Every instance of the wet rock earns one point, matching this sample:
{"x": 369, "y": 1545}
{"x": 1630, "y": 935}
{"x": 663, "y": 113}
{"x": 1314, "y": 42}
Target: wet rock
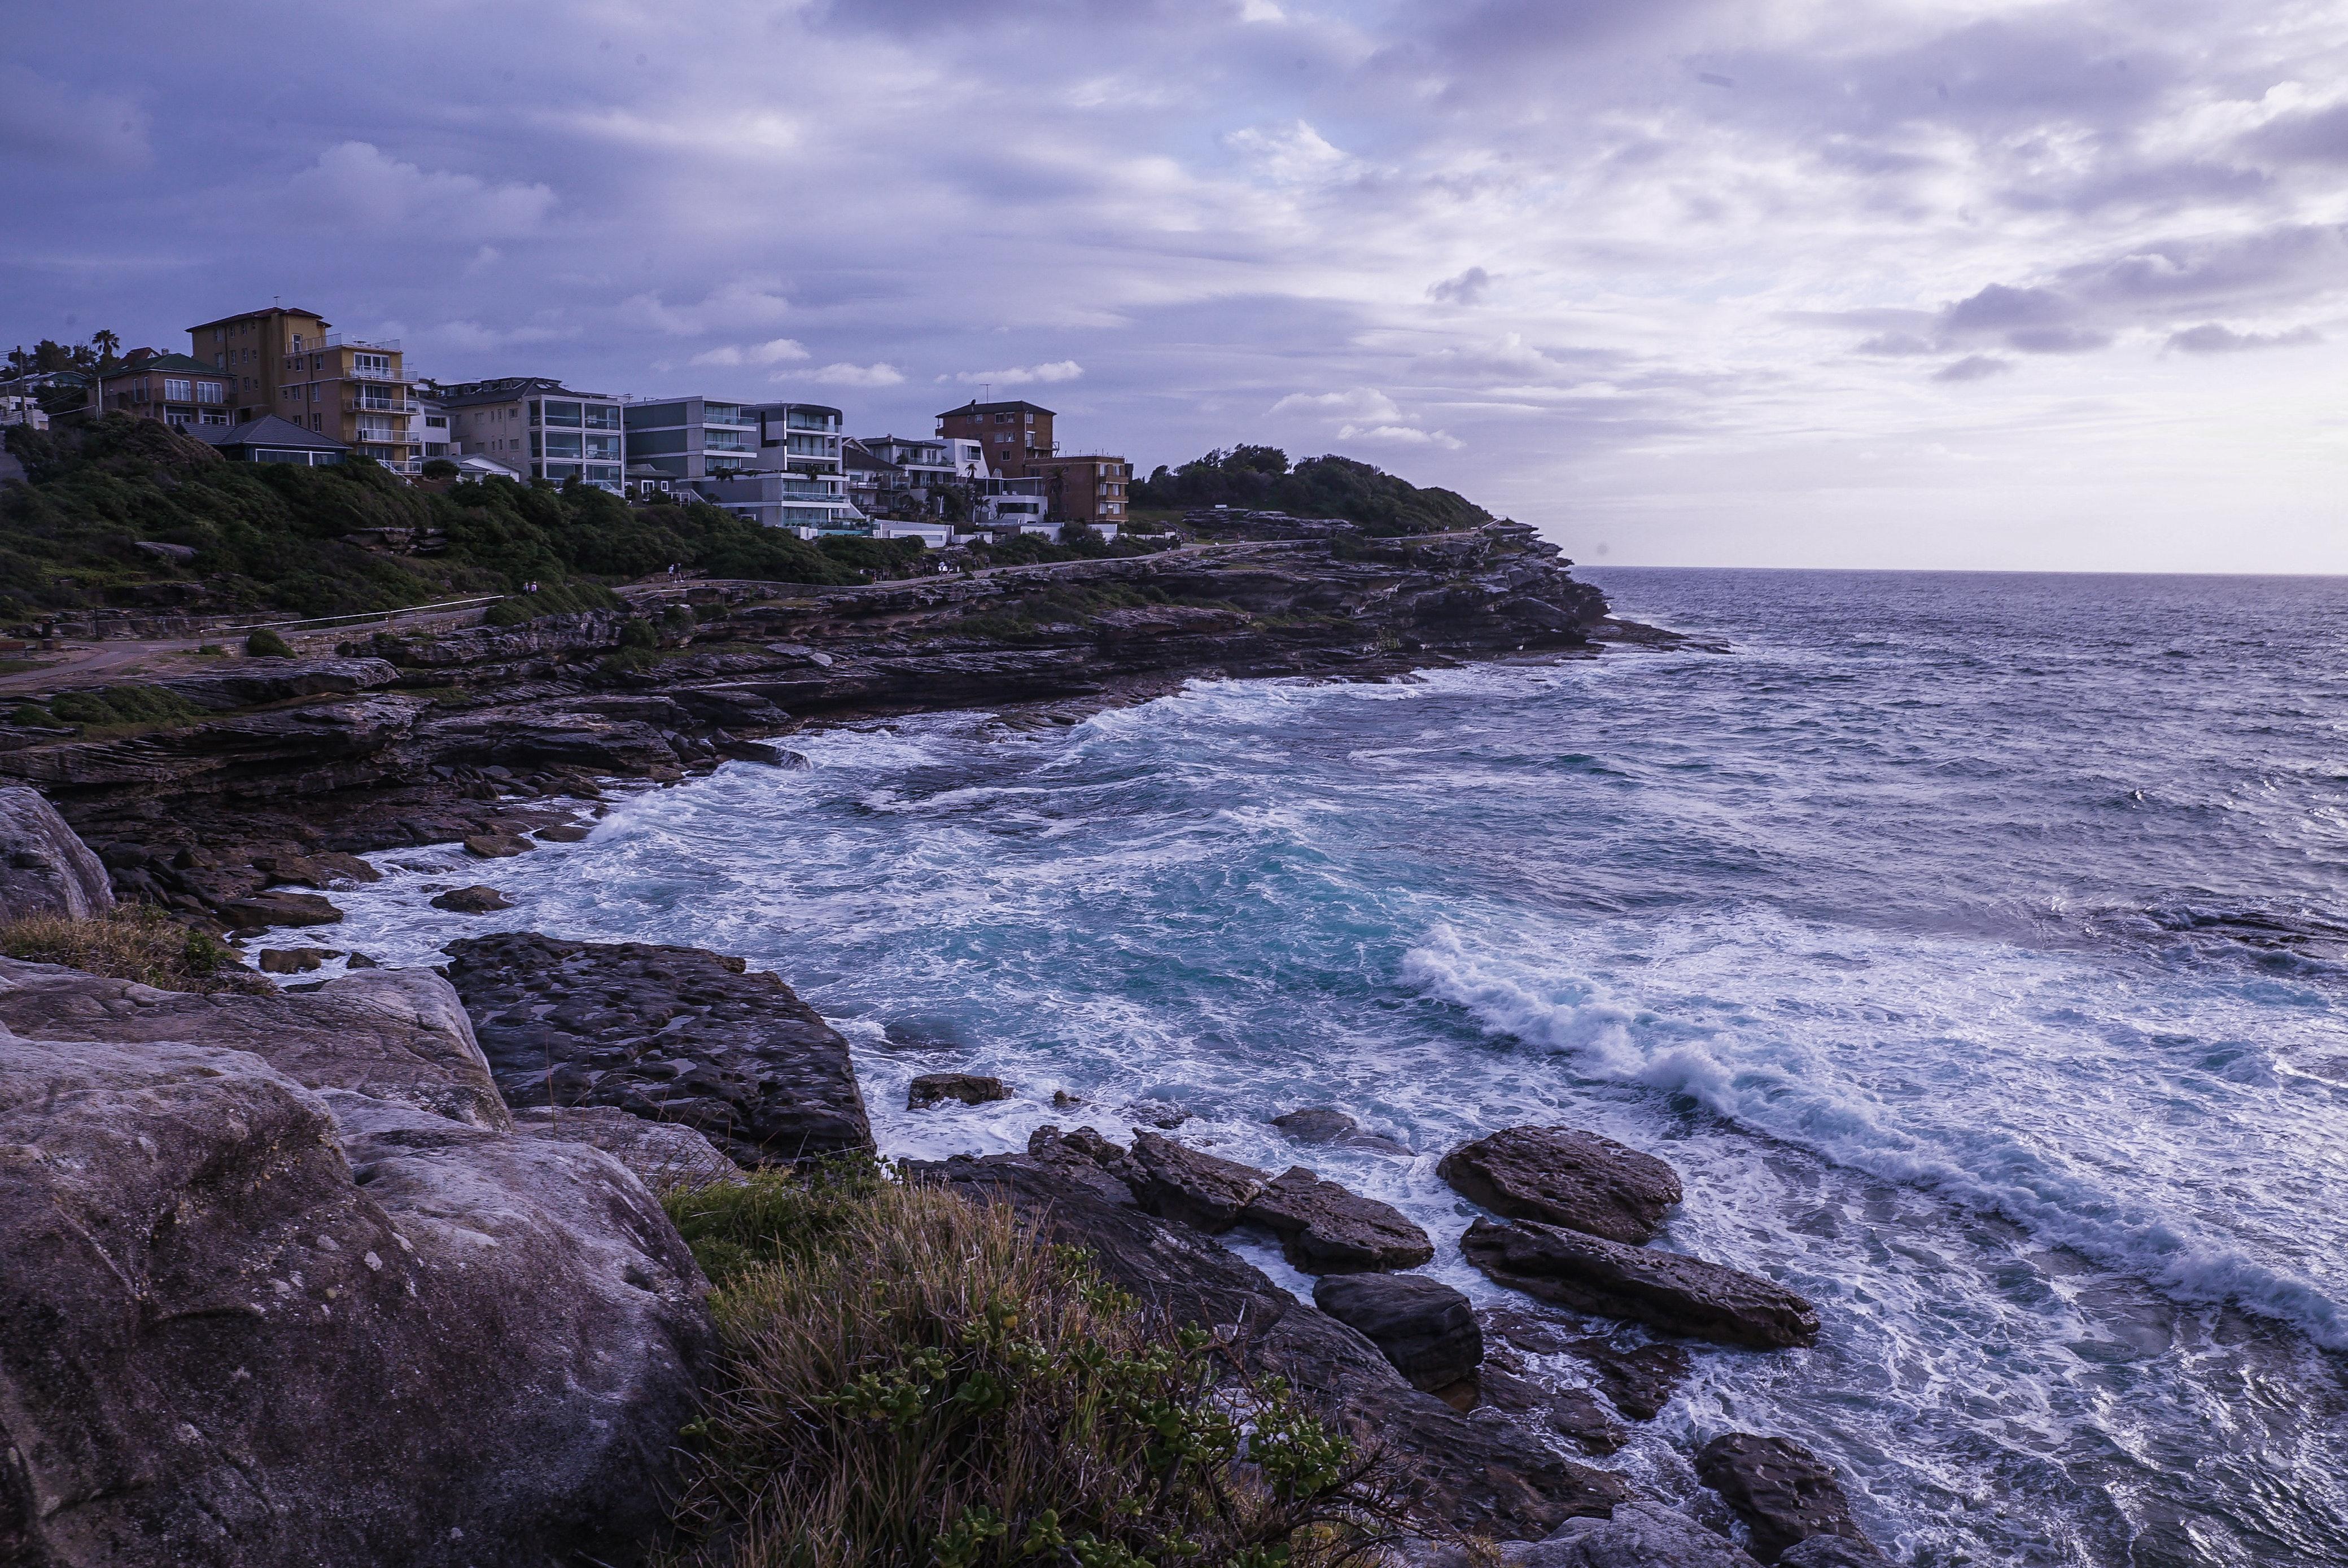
{"x": 474, "y": 900}
{"x": 1087, "y": 1159}
{"x": 1484, "y": 1478}
{"x": 671, "y": 1034}
{"x": 1198, "y": 1189}
{"x": 1561, "y": 1176}
{"x": 1326, "y": 1124}
{"x": 322, "y": 1327}
{"x": 1161, "y": 1114}
{"x": 1325, "y": 1228}
{"x": 1666, "y": 1290}
{"x": 361, "y": 961}
{"x": 661, "y": 1155}
{"x": 1425, "y": 1328}
{"x": 1784, "y": 1492}
{"x": 1639, "y": 1535}
{"x": 44, "y": 867}
{"x": 1640, "y": 1380}
{"x": 562, "y": 832}
{"x": 257, "y": 911}
{"x": 295, "y": 960}
{"x": 1575, "y": 1414}
{"x": 1831, "y": 1551}
{"x": 496, "y": 846}
{"x": 969, "y": 1087}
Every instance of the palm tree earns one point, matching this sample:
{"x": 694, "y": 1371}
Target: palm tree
{"x": 106, "y": 342}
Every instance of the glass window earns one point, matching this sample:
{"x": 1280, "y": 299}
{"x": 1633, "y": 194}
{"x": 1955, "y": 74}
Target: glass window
{"x": 560, "y": 445}
{"x": 604, "y": 447}
{"x": 603, "y": 416}
{"x": 602, "y": 473}
{"x": 654, "y": 443}
{"x": 566, "y": 413}
{"x": 178, "y": 391}
{"x": 562, "y": 470}
{"x": 652, "y": 415}
{"x": 209, "y": 392}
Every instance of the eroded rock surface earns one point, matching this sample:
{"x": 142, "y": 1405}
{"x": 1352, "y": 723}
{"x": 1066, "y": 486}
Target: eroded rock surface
{"x": 671, "y": 1034}
{"x": 1325, "y": 1228}
{"x": 1201, "y": 1190}
{"x": 661, "y": 1154}
{"x": 1562, "y": 1176}
{"x": 44, "y": 867}
{"x": 962, "y": 1088}
{"x": 1785, "y": 1493}
{"x": 1640, "y": 1536}
{"x": 1424, "y": 1327}
{"x": 1666, "y": 1290}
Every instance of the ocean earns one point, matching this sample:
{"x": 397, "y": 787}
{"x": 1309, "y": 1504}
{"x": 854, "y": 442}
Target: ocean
{"x": 1975, "y": 946}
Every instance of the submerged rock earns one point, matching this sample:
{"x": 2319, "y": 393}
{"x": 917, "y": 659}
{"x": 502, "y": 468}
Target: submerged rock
{"x": 1478, "y": 1476}
{"x": 44, "y": 867}
{"x": 1327, "y": 1229}
{"x": 1327, "y": 1124}
{"x": 1575, "y": 1414}
{"x": 1561, "y": 1176}
{"x": 1785, "y": 1494}
{"x": 1639, "y": 1535}
{"x": 1666, "y": 1290}
{"x": 671, "y": 1034}
{"x": 1423, "y": 1326}
{"x": 496, "y": 846}
{"x": 1640, "y": 1380}
{"x": 474, "y": 900}
{"x": 969, "y": 1087}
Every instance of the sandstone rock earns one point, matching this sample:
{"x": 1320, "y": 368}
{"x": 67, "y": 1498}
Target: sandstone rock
{"x": 661, "y": 1155}
{"x": 248, "y": 685}
{"x": 294, "y": 961}
{"x": 1575, "y": 1414}
{"x": 1326, "y": 1124}
{"x": 474, "y": 900}
{"x": 1564, "y": 1177}
{"x": 1325, "y": 1229}
{"x": 562, "y": 833}
{"x": 1640, "y": 1536}
{"x": 255, "y": 911}
{"x": 969, "y": 1087}
{"x": 398, "y": 1035}
{"x": 1486, "y": 1479}
{"x": 1641, "y": 1381}
{"x": 1422, "y": 1325}
{"x": 1089, "y": 1160}
{"x": 496, "y": 846}
{"x": 1198, "y": 1189}
{"x": 361, "y": 961}
{"x": 245, "y": 1324}
{"x": 671, "y": 1034}
{"x": 1666, "y": 1290}
{"x": 520, "y": 737}
{"x": 1784, "y": 1492}
{"x": 44, "y": 867}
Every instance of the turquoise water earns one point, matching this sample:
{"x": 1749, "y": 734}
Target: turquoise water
{"x": 1974, "y": 945}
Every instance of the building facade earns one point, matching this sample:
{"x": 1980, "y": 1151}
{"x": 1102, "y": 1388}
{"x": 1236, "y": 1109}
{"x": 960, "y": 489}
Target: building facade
{"x": 802, "y": 438}
{"x": 693, "y": 438}
{"x": 290, "y": 365}
{"x": 541, "y": 429}
{"x": 777, "y": 498}
{"x": 181, "y": 391}
{"x": 1084, "y": 489}
{"x": 270, "y": 439}
{"x": 1010, "y": 434}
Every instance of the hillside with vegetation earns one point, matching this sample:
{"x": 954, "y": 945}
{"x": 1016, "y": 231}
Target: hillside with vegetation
{"x": 333, "y": 540}
{"x": 1261, "y": 478}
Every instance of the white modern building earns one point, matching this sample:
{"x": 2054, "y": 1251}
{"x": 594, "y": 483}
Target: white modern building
{"x": 536, "y": 427}
{"x": 694, "y": 438}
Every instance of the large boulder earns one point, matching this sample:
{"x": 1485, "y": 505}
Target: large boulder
{"x": 246, "y": 1323}
{"x": 1203, "y": 1190}
{"x": 1666, "y": 1290}
{"x": 1424, "y": 1327}
{"x": 661, "y": 1155}
{"x": 671, "y": 1034}
{"x": 1783, "y": 1492}
{"x": 1640, "y": 1536}
{"x": 245, "y": 685}
{"x": 1325, "y": 1228}
{"x": 44, "y": 867}
{"x": 1481, "y": 1477}
{"x": 1562, "y": 1176}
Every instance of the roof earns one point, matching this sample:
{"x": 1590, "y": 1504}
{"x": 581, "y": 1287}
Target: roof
{"x": 510, "y": 389}
{"x": 975, "y": 407}
{"x": 178, "y": 363}
{"x": 267, "y": 431}
{"x": 647, "y": 471}
{"x": 855, "y": 455}
{"x": 256, "y": 315}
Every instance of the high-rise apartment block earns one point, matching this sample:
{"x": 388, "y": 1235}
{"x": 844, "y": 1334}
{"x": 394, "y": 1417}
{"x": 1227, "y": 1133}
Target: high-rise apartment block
{"x": 289, "y": 364}
{"x": 539, "y": 428}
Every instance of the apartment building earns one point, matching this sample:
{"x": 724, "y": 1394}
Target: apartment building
{"x": 693, "y": 437}
{"x": 291, "y": 364}
{"x": 181, "y": 391}
{"x": 1089, "y": 489}
{"x": 800, "y": 438}
{"x": 539, "y": 428}
{"x": 1010, "y": 434}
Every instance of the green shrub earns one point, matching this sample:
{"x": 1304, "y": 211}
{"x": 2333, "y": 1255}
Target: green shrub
{"x": 913, "y": 1379}
{"x": 266, "y": 644}
{"x": 132, "y": 942}
{"x": 639, "y": 634}
{"x": 439, "y": 468}
{"x": 627, "y": 661}
{"x": 34, "y": 716}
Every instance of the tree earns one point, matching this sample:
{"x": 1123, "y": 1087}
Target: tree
{"x": 107, "y": 342}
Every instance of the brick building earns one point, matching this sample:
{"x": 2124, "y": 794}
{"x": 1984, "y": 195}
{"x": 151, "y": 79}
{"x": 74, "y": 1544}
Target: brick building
{"x": 1011, "y": 433}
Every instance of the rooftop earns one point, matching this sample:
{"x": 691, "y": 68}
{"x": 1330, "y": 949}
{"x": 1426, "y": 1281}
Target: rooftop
{"x": 259, "y": 316}
{"x": 975, "y": 407}
{"x": 509, "y": 388}
{"x": 267, "y": 431}
{"x": 178, "y": 363}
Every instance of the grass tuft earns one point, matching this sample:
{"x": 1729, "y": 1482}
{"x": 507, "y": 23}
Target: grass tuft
{"x": 132, "y": 942}
{"x": 914, "y": 1378}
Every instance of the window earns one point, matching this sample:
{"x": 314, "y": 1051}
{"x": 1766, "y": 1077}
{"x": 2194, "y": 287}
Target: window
{"x": 210, "y": 392}
{"x": 220, "y": 361}
{"x": 317, "y": 391}
{"x": 562, "y": 470}
{"x": 561, "y": 444}
{"x": 317, "y": 422}
{"x": 603, "y": 446}
{"x": 724, "y": 414}
{"x": 1003, "y": 419}
{"x": 602, "y": 473}
{"x": 218, "y": 334}
{"x": 178, "y": 391}
{"x": 215, "y": 416}
{"x": 374, "y": 366}
{"x": 564, "y": 414}
{"x": 603, "y": 416}
{"x": 651, "y": 416}
{"x": 657, "y": 443}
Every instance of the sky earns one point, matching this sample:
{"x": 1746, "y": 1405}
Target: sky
{"x": 1973, "y": 284}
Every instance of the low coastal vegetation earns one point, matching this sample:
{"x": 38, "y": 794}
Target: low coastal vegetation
{"x": 132, "y": 942}
{"x": 1259, "y": 477}
{"x": 910, "y": 1378}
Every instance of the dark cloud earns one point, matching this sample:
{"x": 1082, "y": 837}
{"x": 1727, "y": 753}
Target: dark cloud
{"x": 1890, "y": 345}
{"x": 1465, "y": 289}
{"x": 1973, "y": 367}
{"x": 2211, "y": 338}
{"x": 2319, "y": 136}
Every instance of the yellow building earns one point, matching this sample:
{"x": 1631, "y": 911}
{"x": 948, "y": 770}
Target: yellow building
{"x": 293, "y": 364}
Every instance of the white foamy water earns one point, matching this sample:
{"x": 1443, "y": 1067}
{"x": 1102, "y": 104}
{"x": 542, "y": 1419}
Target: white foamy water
{"x": 1980, "y": 973}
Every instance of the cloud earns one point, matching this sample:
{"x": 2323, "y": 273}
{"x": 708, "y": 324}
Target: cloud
{"x": 1360, "y": 403}
{"x": 1020, "y": 376}
{"x": 876, "y": 374}
{"x": 743, "y": 302}
{"x": 2211, "y": 338}
{"x": 1467, "y": 289}
{"x": 1290, "y": 154}
{"x": 358, "y": 188}
{"x": 1400, "y": 435}
{"x": 49, "y": 124}
{"x": 776, "y": 351}
{"x": 1891, "y": 344}
{"x": 1973, "y": 367}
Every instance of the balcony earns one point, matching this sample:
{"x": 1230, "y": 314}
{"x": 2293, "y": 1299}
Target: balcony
{"x": 358, "y": 373}
{"x": 373, "y": 345}
{"x": 377, "y": 405}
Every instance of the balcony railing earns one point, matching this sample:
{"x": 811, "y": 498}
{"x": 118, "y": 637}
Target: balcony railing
{"x": 345, "y": 340}
{"x": 373, "y": 406}
{"x": 362, "y": 374}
